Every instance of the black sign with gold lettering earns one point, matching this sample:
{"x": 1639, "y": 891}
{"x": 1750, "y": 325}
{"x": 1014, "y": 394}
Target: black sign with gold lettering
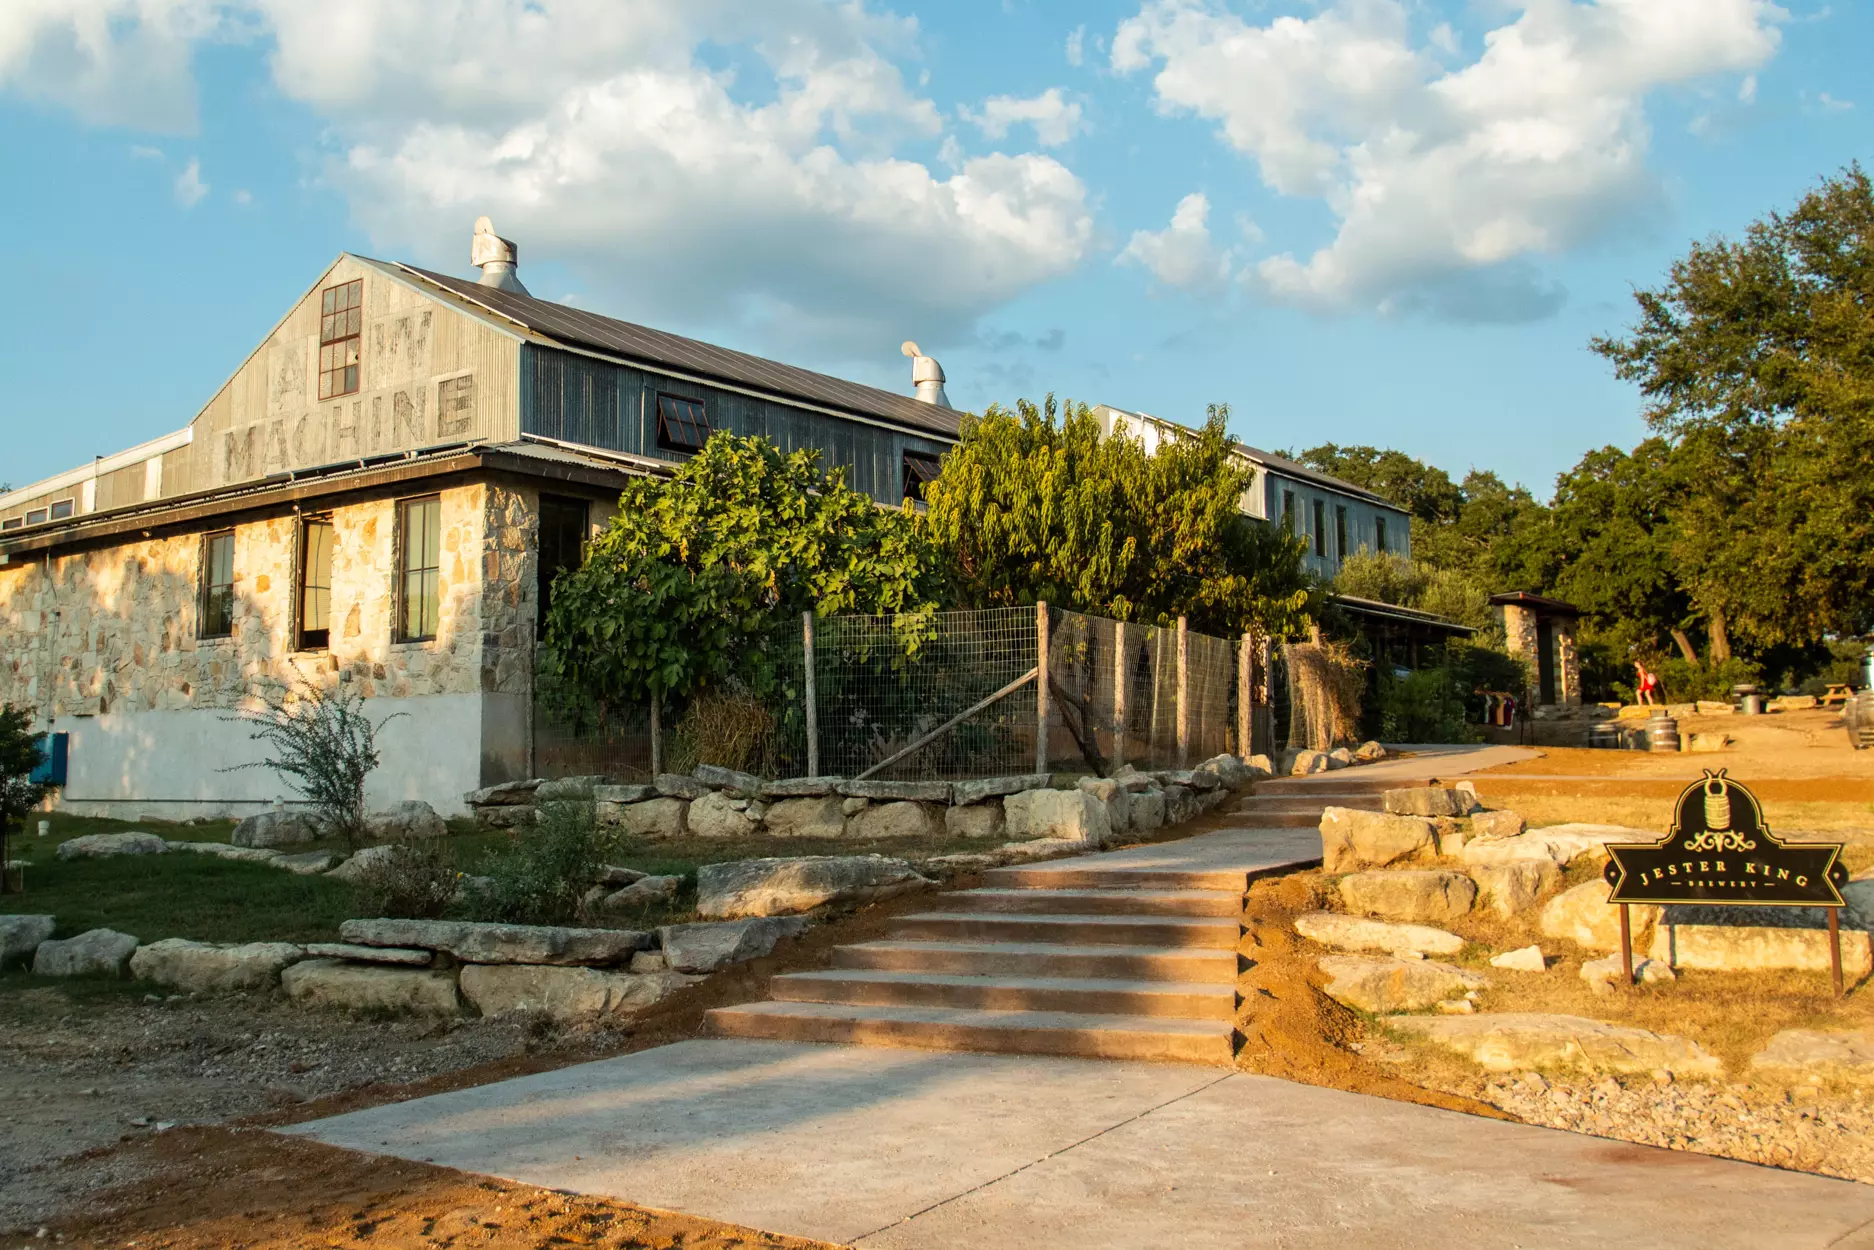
{"x": 1721, "y": 851}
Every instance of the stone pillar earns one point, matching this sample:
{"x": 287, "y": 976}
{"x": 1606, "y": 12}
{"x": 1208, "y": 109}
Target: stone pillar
{"x": 1567, "y": 662}
{"x": 1519, "y": 632}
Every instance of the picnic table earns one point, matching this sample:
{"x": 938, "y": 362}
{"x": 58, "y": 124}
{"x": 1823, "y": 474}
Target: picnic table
{"x": 1838, "y": 695}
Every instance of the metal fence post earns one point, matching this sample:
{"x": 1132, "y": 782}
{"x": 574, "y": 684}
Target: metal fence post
{"x": 1041, "y": 688}
{"x": 1245, "y": 701}
{"x": 1184, "y": 694}
{"x": 1119, "y": 694}
{"x": 657, "y": 733}
{"x": 813, "y": 702}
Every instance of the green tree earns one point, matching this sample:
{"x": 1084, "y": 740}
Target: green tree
{"x": 676, "y": 596}
{"x": 19, "y": 756}
{"x": 1420, "y": 489}
{"x": 1034, "y": 505}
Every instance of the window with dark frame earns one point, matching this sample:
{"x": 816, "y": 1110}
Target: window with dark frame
{"x": 1288, "y": 510}
{"x": 218, "y": 585}
{"x": 61, "y": 509}
{"x": 1340, "y": 533}
{"x": 419, "y": 583}
{"x": 36, "y": 517}
{"x": 315, "y": 584}
{"x": 682, "y": 424}
{"x": 1379, "y": 527}
{"x": 920, "y": 470}
{"x": 563, "y": 525}
{"x": 340, "y": 326}
{"x": 1320, "y": 528}
{"x": 12, "y": 523}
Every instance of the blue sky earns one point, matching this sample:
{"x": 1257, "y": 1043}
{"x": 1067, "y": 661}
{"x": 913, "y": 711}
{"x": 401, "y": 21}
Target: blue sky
{"x": 1383, "y": 221}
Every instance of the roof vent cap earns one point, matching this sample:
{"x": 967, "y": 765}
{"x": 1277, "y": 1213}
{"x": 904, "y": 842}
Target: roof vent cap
{"x": 496, "y": 257}
{"x": 927, "y": 375}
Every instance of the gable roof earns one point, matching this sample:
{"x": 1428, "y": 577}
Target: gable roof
{"x": 1314, "y": 477}
{"x": 559, "y": 325}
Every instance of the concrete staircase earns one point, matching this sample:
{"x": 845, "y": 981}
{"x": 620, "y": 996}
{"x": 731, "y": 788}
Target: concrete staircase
{"x": 1069, "y": 959}
{"x": 1297, "y": 802}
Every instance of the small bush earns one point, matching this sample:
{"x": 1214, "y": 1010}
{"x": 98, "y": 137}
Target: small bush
{"x": 1685, "y": 682}
{"x": 413, "y": 881}
{"x": 542, "y": 874}
{"x": 1424, "y": 706}
{"x": 729, "y": 728}
{"x": 323, "y": 746}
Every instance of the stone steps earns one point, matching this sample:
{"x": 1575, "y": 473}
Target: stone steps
{"x": 1043, "y": 959}
{"x": 1076, "y": 930}
{"x": 1215, "y": 903}
{"x": 1084, "y": 995}
{"x": 1072, "y": 1034}
{"x": 1309, "y": 802}
{"x": 1073, "y": 876}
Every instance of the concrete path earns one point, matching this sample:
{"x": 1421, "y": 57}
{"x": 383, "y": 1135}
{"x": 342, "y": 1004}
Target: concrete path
{"x": 948, "y": 1151}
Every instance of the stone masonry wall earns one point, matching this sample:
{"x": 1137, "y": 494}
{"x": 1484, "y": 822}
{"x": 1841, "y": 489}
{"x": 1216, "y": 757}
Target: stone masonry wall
{"x": 117, "y": 629}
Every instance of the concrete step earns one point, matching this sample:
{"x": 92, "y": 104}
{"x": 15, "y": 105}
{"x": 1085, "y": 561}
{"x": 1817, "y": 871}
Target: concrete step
{"x": 1089, "y": 995}
{"x": 1042, "y": 959}
{"x": 1329, "y": 783}
{"x": 1279, "y": 820}
{"x": 953, "y": 1028}
{"x": 1117, "y": 901}
{"x": 1308, "y": 803}
{"x": 1078, "y": 930}
{"x": 1072, "y": 876}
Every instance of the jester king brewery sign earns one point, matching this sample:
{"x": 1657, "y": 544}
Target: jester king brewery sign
{"x": 1721, "y": 851}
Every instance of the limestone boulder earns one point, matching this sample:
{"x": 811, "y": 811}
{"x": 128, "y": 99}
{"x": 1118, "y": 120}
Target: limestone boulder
{"x": 1358, "y": 933}
{"x": 643, "y": 892}
{"x": 1516, "y": 887}
{"x": 20, "y": 936}
{"x": 568, "y": 994}
{"x": 978, "y": 821}
{"x": 1583, "y": 915}
{"x": 1426, "y": 801}
{"x": 1801, "y": 1055}
{"x": 1859, "y": 895}
{"x": 604, "y": 794}
{"x": 679, "y": 786}
{"x": 616, "y": 875}
{"x": 655, "y": 818}
{"x": 1382, "y": 983}
{"x": 1353, "y": 839}
{"x": 306, "y": 863}
{"x": 1231, "y": 771}
{"x": 1750, "y": 948}
{"x": 334, "y": 984}
{"x": 699, "y": 948}
{"x": 227, "y": 850}
{"x": 1496, "y": 824}
{"x": 509, "y": 817}
{"x": 1260, "y": 766}
{"x": 210, "y": 968}
{"x": 1519, "y": 1041}
{"x": 1605, "y": 975}
{"x": 818, "y": 816}
{"x": 480, "y": 943}
{"x": 409, "y": 821}
{"x": 963, "y": 793}
{"x": 744, "y": 785}
{"x": 901, "y": 819}
{"x": 1369, "y": 752}
{"x": 1147, "y": 811}
{"x": 1339, "y": 757}
{"x": 1130, "y": 779}
{"x": 1561, "y": 844}
{"x": 391, "y": 955}
{"x": 897, "y": 791}
{"x": 781, "y": 887}
{"x": 1307, "y": 763}
{"x": 1409, "y": 894}
{"x": 283, "y": 827}
{"x": 716, "y": 815}
{"x": 93, "y": 953}
{"x": 358, "y": 866}
{"x": 507, "y": 794}
{"x": 1057, "y": 815}
{"x": 1524, "y": 959}
{"x": 801, "y": 788}
{"x": 1117, "y": 798}
{"x": 111, "y": 845}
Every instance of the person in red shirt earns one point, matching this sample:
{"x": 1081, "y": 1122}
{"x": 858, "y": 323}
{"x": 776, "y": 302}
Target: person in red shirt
{"x": 1648, "y": 684}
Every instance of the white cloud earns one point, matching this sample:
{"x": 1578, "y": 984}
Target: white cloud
{"x": 113, "y": 62}
{"x": 1445, "y": 183}
{"x": 1182, "y": 254}
{"x": 1831, "y": 105}
{"x": 243, "y": 197}
{"x": 144, "y": 152}
{"x": 190, "y": 189}
{"x": 1747, "y": 90}
{"x": 595, "y": 134}
{"x": 1055, "y": 118}
{"x": 1077, "y": 46}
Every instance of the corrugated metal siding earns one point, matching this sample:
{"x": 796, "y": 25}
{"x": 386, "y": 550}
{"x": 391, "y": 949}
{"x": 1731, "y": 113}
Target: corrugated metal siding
{"x": 121, "y": 488}
{"x": 599, "y": 404}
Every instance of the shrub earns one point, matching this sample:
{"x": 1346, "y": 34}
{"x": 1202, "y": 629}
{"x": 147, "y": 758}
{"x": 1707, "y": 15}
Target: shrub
{"x": 542, "y": 874}
{"x": 19, "y": 755}
{"x": 414, "y": 881}
{"x": 727, "y": 727}
{"x": 1424, "y": 706}
{"x": 1684, "y": 682}
{"x": 324, "y": 746}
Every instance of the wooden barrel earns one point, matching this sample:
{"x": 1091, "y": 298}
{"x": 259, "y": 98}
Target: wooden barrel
{"x": 1662, "y": 734}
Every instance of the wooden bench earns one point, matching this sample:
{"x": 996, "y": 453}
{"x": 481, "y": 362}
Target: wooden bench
{"x": 1837, "y": 696}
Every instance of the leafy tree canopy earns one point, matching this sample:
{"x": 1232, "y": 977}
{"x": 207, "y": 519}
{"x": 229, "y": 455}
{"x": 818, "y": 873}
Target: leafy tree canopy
{"x": 1035, "y": 505}
{"x": 675, "y": 595}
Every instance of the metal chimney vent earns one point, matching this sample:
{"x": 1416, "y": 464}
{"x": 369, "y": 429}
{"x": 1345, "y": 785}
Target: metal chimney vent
{"x": 927, "y": 375}
{"x": 496, "y": 257}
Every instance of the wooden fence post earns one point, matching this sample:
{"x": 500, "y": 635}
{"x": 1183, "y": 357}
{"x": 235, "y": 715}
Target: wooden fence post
{"x": 1184, "y": 694}
{"x": 1119, "y": 694}
{"x": 657, "y": 733}
{"x": 1041, "y": 688}
{"x": 813, "y": 703}
{"x": 1245, "y": 701}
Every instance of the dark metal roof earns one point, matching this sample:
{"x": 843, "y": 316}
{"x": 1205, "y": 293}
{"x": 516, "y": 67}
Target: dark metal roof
{"x": 561, "y": 325}
{"x": 1301, "y": 472}
{"x": 1543, "y": 605}
{"x": 1393, "y": 612}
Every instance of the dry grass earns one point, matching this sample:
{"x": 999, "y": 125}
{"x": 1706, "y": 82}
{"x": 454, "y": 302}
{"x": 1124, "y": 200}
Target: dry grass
{"x": 1645, "y": 812}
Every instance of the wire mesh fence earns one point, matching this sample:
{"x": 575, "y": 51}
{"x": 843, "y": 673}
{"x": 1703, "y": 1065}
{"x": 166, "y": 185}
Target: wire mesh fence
{"x": 954, "y": 695}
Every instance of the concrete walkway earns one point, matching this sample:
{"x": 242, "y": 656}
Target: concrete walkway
{"x": 938, "y": 1150}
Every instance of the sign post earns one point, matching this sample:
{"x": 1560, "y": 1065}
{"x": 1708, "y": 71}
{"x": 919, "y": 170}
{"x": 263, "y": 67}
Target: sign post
{"x": 1720, "y": 853}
